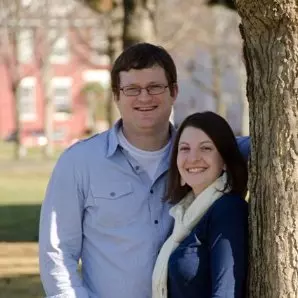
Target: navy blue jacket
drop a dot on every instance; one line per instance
(212, 261)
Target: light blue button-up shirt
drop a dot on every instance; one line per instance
(102, 207)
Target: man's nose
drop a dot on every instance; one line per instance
(144, 95)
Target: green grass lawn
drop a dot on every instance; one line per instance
(21, 193)
(22, 188)
(32, 154)
(23, 286)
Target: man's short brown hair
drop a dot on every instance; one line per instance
(141, 56)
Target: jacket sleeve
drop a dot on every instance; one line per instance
(244, 146)
(228, 239)
(60, 233)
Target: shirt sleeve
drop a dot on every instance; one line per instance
(60, 233)
(228, 238)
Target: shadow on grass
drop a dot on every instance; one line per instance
(19, 223)
(22, 286)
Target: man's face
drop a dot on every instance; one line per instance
(145, 113)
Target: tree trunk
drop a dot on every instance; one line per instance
(15, 71)
(115, 38)
(139, 21)
(270, 33)
(18, 147)
(46, 77)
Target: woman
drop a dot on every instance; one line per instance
(206, 255)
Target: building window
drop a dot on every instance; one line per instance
(60, 47)
(27, 97)
(62, 100)
(25, 46)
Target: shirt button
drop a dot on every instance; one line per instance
(151, 190)
(137, 168)
(112, 194)
(156, 221)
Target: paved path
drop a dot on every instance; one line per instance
(18, 259)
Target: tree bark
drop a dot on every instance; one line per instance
(270, 33)
(244, 101)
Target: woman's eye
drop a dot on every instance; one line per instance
(183, 148)
(206, 148)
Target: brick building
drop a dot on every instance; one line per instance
(73, 64)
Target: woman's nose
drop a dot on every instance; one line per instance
(194, 155)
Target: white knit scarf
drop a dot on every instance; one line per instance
(187, 213)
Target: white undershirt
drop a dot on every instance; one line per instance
(149, 160)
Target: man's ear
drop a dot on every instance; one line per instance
(115, 97)
(175, 91)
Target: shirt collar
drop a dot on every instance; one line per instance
(113, 141)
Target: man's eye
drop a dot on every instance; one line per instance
(131, 89)
(152, 87)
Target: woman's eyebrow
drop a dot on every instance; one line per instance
(206, 142)
(183, 143)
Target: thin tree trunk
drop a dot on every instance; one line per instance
(115, 39)
(46, 77)
(270, 32)
(18, 150)
(18, 147)
(139, 21)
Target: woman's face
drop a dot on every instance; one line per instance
(199, 163)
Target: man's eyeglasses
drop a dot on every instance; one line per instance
(151, 90)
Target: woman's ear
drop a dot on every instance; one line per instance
(182, 182)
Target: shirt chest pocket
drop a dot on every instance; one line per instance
(112, 204)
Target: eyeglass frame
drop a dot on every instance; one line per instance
(147, 89)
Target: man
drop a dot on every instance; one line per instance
(104, 201)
